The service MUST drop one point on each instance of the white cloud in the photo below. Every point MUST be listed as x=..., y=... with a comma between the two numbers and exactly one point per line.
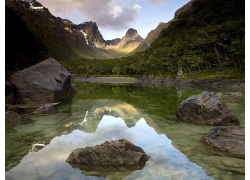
x=137, y=6
x=116, y=10
x=157, y=1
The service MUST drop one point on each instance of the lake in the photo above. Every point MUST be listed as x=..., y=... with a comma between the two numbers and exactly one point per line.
x=144, y=115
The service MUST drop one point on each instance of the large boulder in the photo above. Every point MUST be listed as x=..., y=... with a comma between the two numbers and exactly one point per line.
x=206, y=109
x=111, y=153
x=45, y=82
x=228, y=139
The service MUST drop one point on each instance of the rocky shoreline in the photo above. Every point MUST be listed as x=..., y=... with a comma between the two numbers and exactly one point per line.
x=182, y=82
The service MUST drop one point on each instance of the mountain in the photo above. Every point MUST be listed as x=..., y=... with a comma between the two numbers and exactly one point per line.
x=154, y=34
x=64, y=40
x=125, y=45
x=112, y=42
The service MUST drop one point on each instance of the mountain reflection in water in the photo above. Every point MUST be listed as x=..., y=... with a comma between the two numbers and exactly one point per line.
x=165, y=161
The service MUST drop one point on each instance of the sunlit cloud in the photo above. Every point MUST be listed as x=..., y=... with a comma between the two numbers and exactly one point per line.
x=107, y=13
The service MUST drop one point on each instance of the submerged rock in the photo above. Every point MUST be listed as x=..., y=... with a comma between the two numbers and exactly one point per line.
x=13, y=117
x=230, y=140
x=230, y=97
x=45, y=108
x=206, y=109
x=43, y=83
x=113, y=153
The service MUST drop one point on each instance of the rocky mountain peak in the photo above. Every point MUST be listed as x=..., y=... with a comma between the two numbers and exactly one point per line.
x=131, y=32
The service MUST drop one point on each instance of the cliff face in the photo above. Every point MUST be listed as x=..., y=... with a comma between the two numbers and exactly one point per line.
x=91, y=33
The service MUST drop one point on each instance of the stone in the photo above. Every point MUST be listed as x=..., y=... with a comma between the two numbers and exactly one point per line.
x=228, y=139
x=42, y=83
x=227, y=97
x=13, y=117
x=111, y=153
x=206, y=109
x=45, y=108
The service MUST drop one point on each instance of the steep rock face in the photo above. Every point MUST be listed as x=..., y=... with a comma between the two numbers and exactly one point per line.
x=91, y=33
x=45, y=82
x=206, y=109
x=184, y=8
x=230, y=140
x=113, y=153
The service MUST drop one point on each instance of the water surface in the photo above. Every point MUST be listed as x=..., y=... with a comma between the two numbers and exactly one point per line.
x=143, y=115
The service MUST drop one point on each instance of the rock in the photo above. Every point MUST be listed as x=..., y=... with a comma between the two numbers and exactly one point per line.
x=10, y=93
x=206, y=109
x=113, y=153
x=230, y=140
x=228, y=97
x=46, y=108
x=45, y=82
x=13, y=117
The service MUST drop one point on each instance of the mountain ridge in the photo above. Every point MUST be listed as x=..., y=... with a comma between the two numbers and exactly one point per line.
x=64, y=39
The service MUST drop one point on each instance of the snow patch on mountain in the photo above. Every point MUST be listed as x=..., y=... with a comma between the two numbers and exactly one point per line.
x=86, y=36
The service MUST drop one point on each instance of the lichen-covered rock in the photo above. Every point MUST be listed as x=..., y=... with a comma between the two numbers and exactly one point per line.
x=228, y=139
x=45, y=82
x=206, y=109
x=111, y=153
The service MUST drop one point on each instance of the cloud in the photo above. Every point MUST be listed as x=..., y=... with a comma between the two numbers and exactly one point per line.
x=157, y=1
x=137, y=6
x=109, y=14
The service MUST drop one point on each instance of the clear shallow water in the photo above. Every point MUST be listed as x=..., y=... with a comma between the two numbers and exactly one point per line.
x=142, y=115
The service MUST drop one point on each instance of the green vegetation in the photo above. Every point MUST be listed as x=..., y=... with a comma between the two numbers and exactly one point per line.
x=207, y=41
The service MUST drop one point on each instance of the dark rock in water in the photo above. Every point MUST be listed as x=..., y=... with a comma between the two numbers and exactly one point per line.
x=206, y=109
x=45, y=82
x=113, y=153
x=13, y=117
x=230, y=140
x=46, y=108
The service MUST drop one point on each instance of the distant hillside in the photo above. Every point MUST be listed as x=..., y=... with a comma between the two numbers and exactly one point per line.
x=210, y=35
x=152, y=36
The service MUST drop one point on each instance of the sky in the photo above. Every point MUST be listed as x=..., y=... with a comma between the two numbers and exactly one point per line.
x=115, y=17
